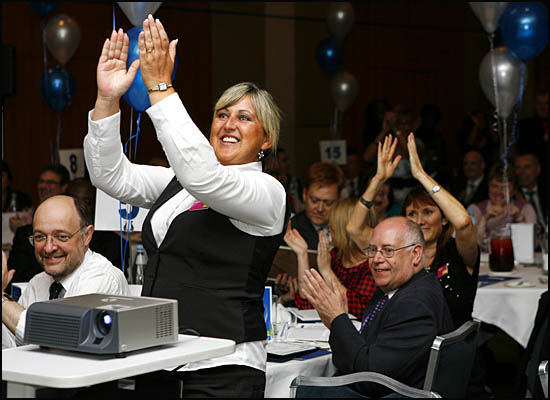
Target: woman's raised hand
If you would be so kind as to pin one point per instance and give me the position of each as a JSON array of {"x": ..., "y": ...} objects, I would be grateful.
[
  {"x": 112, "y": 78},
  {"x": 295, "y": 240},
  {"x": 416, "y": 166},
  {"x": 157, "y": 55},
  {"x": 323, "y": 253},
  {"x": 386, "y": 164}
]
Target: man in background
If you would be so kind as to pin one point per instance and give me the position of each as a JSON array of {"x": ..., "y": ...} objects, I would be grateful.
[
  {"x": 472, "y": 189},
  {"x": 322, "y": 190}
]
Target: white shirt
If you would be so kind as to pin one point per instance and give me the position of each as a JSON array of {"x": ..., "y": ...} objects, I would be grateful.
[
  {"x": 96, "y": 274},
  {"x": 253, "y": 201}
]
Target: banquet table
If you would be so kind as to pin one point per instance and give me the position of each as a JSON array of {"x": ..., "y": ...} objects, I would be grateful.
[
  {"x": 279, "y": 375},
  {"x": 509, "y": 300}
]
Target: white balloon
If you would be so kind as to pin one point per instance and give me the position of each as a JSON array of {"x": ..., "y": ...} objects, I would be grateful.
[
  {"x": 489, "y": 13},
  {"x": 502, "y": 65},
  {"x": 344, "y": 89},
  {"x": 340, "y": 18},
  {"x": 137, "y": 11},
  {"x": 62, "y": 37}
]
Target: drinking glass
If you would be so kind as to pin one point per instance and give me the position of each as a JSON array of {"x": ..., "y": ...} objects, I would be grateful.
[{"x": 501, "y": 251}]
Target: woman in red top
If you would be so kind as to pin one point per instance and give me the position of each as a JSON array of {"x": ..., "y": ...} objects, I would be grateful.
[{"x": 346, "y": 266}]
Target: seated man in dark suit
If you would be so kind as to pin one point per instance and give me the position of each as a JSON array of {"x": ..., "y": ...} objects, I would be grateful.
[
  {"x": 472, "y": 188},
  {"x": 322, "y": 190},
  {"x": 402, "y": 320}
]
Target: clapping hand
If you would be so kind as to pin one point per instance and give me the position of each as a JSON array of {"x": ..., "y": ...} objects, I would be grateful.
[
  {"x": 112, "y": 78},
  {"x": 157, "y": 55},
  {"x": 328, "y": 299},
  {"x": 6, "y": 275},
  {"x": 416, "y": 166},
  {"x": 386, "y": 164},
  {"x": 323, "y": 253},
  {"x": 295, "y": 241}
]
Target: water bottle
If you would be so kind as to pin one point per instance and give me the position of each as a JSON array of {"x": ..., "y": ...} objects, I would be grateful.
[{"x": 141, "y": 260}]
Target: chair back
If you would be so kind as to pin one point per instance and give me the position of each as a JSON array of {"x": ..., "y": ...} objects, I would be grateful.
[
  {"x": 451, "y": 359},
  {"x": 543, "y": 376}
]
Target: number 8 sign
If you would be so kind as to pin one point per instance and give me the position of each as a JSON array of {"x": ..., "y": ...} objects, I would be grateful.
[{"x": 73, "y": 160}]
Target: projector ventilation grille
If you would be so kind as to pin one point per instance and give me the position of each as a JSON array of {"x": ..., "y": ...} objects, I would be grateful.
[
  {"x": 164, "y": 316},
  {"x": 52, "y": 329}
]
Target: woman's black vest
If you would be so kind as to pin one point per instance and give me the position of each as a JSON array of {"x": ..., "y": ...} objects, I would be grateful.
[{"x": 215, "y": 271}]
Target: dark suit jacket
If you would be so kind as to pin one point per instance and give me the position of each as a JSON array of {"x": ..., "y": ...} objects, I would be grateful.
[
  {"x": 397, "y": 341},
  {"x": 23, "y": 260},
  {"x": 481, "y": 193},
  {"x": 302, "y": 224}
]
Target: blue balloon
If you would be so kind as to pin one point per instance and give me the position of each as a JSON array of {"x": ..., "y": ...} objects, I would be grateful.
[
  {"x": 329, "y": 54},
  {"x": 43, "y": 8},
  {"x": 57, "y": 87},
  {"x": 137, "y": 95},
  {"x": 524, "y": 29}
]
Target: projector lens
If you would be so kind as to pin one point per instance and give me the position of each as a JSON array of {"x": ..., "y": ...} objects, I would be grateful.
[{"x": 104, "y": 322}]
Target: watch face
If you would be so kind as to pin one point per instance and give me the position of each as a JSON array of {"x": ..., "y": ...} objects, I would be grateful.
[{"x": 162, "y": 86}]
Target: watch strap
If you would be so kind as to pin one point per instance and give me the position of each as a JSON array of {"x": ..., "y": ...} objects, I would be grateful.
[{"x": 366, "y": 203}]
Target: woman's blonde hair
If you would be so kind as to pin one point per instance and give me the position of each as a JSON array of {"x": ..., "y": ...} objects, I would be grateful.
[
  {"x": 338, "y": 218},
  {"x": 266, "y": 109}
]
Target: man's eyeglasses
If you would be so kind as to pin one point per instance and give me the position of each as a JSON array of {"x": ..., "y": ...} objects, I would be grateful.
[
  {"x": 40, "y": 238},
  {"x": 315, "y": 200},
  {"x": 387, "y": 252}
]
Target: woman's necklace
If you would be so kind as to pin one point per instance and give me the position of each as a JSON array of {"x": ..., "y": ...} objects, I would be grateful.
[{"x": 429, "y": 260}]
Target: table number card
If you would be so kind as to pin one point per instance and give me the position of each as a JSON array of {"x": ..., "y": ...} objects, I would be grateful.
[
  {"x": 333, "y": 151},
  {"x": 73, "y": 160},
  {"x": 109, "y": 215}
]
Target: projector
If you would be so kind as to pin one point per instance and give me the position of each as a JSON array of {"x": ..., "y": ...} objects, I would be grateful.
[{"x": 102, "y": 323}]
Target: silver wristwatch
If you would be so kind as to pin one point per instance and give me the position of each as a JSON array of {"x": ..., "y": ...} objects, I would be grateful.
[
  {"x": 435, "y": 189},
  {"x": 161, "y": 87}
]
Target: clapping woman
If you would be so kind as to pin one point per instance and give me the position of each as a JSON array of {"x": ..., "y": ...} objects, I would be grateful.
[
  {"x": 215, "y": 220},
  {"x": 454, "y": 260},
  {"x": 345, "y": 266}
]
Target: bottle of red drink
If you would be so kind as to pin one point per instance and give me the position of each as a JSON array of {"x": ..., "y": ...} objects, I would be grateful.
[{"x": 501, "y": 256}]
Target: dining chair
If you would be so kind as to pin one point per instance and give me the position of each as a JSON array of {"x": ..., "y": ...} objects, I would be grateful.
[
  {"x": 543, "y": 376},
  {"x": 447, "y": 374}
]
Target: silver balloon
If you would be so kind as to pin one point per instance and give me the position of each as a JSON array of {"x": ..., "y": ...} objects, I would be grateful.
[
  {"x": 340, "y": 18},
  {"x": 62, "y": 37},
  {"x": 507, "y": 69},
  {"x": 137, "y": 11},
  {"x": 344, "y": 89},
  {"x": 489, "y": 13}
]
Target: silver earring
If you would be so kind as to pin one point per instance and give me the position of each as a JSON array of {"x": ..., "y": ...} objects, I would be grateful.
[{"x": 261, "y": 155}]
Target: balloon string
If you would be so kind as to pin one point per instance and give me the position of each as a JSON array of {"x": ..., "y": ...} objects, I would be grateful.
[
  {"x": 136, "y": 136},
  {"x": 114, "y": 19},
  {"x": 58, "y": 138},
  {"x": 123, "y": 241}
]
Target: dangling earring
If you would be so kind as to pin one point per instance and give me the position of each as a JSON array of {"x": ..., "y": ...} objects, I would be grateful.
[{"x": 260, "y": 155}]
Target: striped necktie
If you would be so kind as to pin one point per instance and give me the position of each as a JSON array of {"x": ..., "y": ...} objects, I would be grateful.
[{"x": 370, "y": 316}]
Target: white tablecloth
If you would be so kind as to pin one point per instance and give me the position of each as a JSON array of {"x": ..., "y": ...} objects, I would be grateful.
[
  {"x": 280, "y": 375},
  {"x": 512, "y": 309}
]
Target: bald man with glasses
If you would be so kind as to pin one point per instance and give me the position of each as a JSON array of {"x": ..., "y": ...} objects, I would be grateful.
[
  {"x": 403, "y": 318},
  {"x": 62, "y": 230}
]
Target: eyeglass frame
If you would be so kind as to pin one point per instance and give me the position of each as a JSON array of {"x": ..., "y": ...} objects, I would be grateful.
[
  {"x": 366, "y": 250},
  {"x": 55, "y": 236}
]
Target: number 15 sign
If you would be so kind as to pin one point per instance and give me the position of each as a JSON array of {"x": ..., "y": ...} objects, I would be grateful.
[{"x": 333, "y": 151}]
